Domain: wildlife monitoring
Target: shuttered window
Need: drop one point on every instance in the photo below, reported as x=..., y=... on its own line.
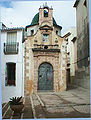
x=11, y=37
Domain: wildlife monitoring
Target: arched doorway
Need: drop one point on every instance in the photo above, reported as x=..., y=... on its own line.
x=45, y=77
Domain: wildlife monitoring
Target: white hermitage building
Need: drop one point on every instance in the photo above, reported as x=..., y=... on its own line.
x=12, y=62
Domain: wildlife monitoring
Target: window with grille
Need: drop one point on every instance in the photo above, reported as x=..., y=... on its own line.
x=11, y=45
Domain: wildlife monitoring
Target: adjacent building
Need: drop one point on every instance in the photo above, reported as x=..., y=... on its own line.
x=82, y=76
x=71, y=55
x=11, y=62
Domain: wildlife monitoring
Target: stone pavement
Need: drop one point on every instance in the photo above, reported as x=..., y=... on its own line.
x=73, y=103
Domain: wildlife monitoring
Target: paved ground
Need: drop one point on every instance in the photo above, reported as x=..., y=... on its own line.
x=73, y=103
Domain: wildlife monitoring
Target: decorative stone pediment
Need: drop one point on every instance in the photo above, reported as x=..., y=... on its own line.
x=45, y=27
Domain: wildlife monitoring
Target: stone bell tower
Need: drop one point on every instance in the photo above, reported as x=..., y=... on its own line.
x=45, y=16
x=44, y=66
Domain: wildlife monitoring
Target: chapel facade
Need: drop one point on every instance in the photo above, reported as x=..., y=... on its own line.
x=45, y=54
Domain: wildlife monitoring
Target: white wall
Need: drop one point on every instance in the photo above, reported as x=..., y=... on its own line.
x=10, y=91
x=71, y=49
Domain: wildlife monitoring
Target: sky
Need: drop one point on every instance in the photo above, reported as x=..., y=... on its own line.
x=20, y=13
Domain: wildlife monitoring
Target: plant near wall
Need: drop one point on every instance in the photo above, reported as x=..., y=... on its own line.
x=15, y=101
x=16, y=104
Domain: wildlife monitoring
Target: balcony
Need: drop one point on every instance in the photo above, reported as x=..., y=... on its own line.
x=11, y=48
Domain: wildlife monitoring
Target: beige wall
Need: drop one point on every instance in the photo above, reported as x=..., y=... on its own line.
x=34, y=59
x=55, y=54
x=81, y=13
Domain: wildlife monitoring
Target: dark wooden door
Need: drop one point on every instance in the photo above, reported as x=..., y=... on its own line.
x=45, y=77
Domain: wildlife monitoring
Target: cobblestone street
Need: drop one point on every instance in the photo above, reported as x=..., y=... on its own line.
x=73, y=103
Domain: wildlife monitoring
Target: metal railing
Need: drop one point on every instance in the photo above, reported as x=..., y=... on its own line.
x=11, y=48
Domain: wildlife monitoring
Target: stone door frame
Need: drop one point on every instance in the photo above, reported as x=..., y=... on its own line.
x=51, y=58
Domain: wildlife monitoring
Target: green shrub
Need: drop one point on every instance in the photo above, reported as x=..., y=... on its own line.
x=15, y=101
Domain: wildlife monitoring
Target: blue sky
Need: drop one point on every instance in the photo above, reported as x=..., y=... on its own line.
x=6, y=3
x=20, y=13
